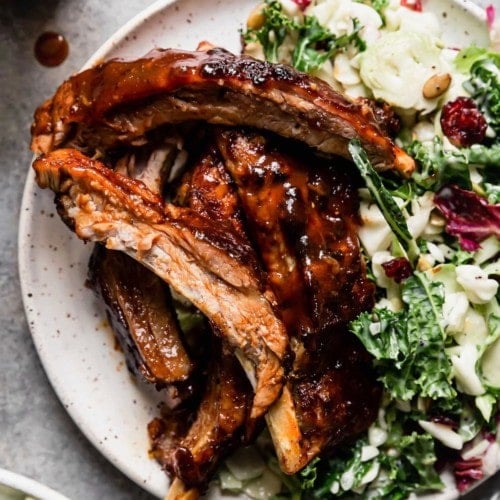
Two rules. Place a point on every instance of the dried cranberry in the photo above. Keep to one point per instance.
(398, 269)
(303, 4)
(462, 122)
(415, 5)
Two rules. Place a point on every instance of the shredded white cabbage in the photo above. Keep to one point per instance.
(464, 359)
(337, 16)
(375, 234)
(479, 288)
(396, 67)
(443, 433)
(455, 309)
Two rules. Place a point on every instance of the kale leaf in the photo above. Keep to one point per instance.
(409, 468)
(484, 88)
(383, 198)
(313, 43)
(271, 35)
(469, 55)
(409, 346)
(438, 167)
(316, 44)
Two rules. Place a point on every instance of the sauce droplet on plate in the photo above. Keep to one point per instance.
(51, 49)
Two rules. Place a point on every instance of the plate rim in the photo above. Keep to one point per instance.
(29, 486)
(126, 28)
(23, 251)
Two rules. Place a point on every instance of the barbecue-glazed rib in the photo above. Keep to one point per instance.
(212, 268)
(119, 102)
(140, 310)
(334, 391)
(302, 214)
(220, 422)
(219, 426)
(208, 189)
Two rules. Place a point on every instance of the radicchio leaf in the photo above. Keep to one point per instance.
(468, 216)
(467, 472)
(303, 4)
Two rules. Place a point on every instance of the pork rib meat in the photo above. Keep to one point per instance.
(140, 310)
(302, 213)
(119, 102)
(218, 426)
(212, 268)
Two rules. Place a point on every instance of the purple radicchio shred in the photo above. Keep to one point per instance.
(467, 472)
(468, 216)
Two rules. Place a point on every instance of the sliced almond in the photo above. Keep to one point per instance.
(436, 85)
(256, 19)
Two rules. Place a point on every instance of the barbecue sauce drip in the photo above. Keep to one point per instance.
(51, 49)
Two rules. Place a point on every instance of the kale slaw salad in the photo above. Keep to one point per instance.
(430, 243)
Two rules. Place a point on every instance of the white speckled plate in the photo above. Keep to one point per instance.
(67, 324)
(17, 487)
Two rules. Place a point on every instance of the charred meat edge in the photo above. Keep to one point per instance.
(140, 310)
(219, 425)
(118, 102)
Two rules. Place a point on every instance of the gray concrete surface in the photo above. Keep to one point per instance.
(37, 438)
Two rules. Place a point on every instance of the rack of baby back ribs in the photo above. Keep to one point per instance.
(224, 207)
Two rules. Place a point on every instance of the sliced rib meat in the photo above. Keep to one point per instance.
(140, 310)
(275, 213)
(151, 163)
(119, 102)
(138, 303)
(193, 454)
(212, 268)
(207, 188)
(220, 422)
(302, 214)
